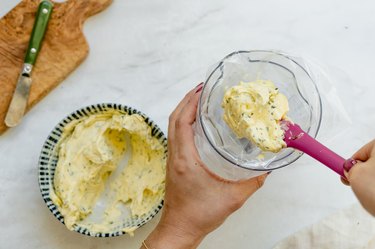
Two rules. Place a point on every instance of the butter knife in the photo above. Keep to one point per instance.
(20, 97)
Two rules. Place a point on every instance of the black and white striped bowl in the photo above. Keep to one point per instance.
(49, 157)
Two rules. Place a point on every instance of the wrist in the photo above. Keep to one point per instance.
(170, 236)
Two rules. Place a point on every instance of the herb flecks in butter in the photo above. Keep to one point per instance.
(90, 150)
(253, 110)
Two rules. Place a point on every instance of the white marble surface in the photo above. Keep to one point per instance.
(147, 54)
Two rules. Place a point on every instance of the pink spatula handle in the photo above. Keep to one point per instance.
(296, 138)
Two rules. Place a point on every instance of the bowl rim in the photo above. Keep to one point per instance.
(278, 53)
(45, 176)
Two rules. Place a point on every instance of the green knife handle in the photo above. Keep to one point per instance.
(41, 21)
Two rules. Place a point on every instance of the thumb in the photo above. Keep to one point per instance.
(253, 184)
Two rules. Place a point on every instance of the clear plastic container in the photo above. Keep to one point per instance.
(232, 158)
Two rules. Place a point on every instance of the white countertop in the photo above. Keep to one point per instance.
(148, 54)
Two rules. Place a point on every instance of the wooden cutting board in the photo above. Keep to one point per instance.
(63, 49)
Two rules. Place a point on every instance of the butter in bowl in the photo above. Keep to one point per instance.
(102, 170)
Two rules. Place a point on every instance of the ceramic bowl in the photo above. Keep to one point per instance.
(49, 158)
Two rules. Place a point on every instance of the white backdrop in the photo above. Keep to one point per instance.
(148, 54)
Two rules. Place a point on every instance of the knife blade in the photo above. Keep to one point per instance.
(20, 97)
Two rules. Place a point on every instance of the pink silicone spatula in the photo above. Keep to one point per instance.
(295, 137)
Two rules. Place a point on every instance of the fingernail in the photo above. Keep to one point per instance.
(349, 164)
(199, 87)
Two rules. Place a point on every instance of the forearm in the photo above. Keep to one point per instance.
(168, 237)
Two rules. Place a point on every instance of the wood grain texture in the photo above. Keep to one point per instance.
(63, 49)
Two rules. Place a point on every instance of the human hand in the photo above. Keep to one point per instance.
(196, 200)
(361, 176)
